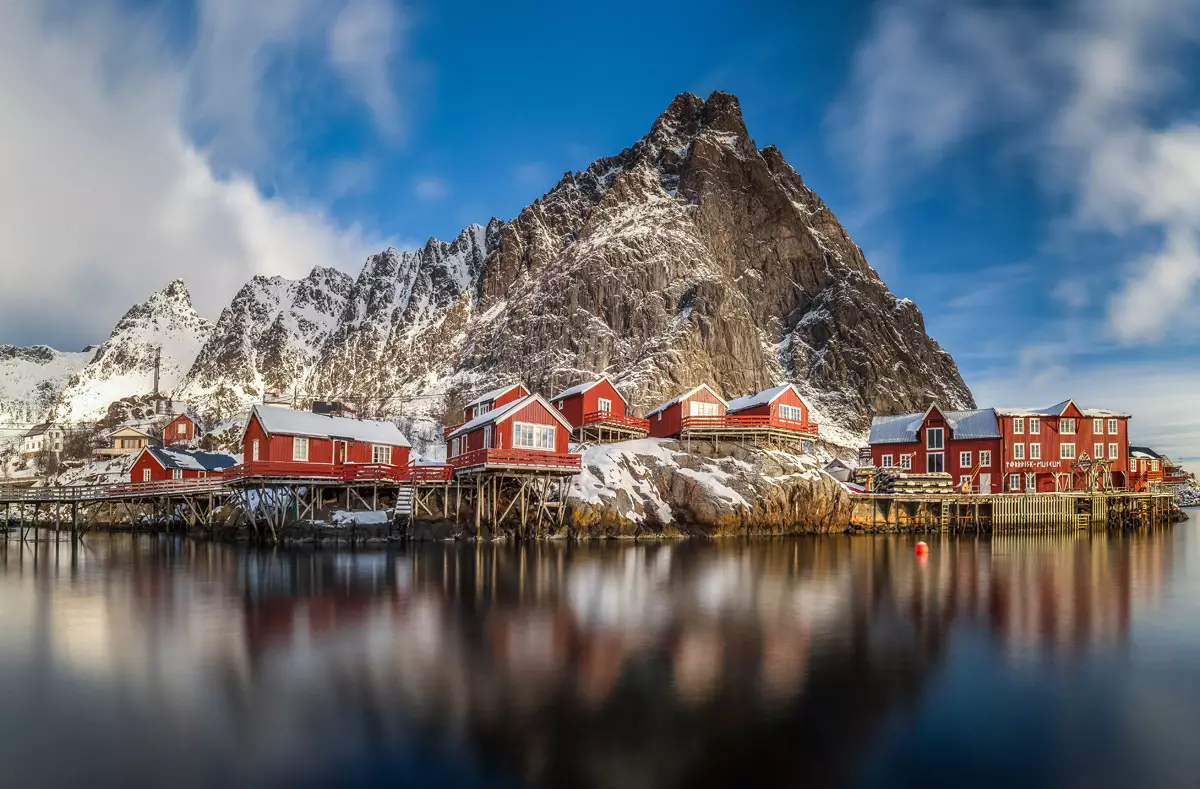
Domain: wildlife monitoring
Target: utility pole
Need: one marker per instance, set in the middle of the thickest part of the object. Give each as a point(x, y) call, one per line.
point(157, 370)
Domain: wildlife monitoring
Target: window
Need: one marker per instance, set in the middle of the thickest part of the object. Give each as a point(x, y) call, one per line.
point(1113, 454)
point(1014, 481)
point(1019, 425)
point(964, 459)
point(887, 461)
point(1019, 451)
point(176, 474)
point(605, 405)
point(300, 449)
point(701, 408)
point(1097, 451)
point(934, 438)
point(454, 446)
point(791, 413)
point(254, 449)
point(1035, 451)
point(1066, 451)
point(906, 461)
point(660, 416)
point(480, 410)
point(1154, 465)
point(1066, 425)
point(145, 475)
point(1112, 427)
point(487, 436)
point(965, 481)
point(560, 402)
point(985, 458)
point(1035, 425)
point(1097, 426)
point(935, 463)
point(381, 454)
point(1031, 482)
point(529, 436)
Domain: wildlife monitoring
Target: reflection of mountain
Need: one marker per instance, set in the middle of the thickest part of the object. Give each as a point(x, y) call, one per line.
point(768, 663)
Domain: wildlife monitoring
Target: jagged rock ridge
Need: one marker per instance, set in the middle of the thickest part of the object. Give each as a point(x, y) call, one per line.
point(31, 381)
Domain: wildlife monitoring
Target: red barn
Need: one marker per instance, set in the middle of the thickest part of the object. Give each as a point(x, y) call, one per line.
point(782, 405)
point(666, 421)
point(282, 442)
point(599, 411)
point(528, 432)
point(967, 445)
point(159, 464)
point(181, 428)
point(493, 399)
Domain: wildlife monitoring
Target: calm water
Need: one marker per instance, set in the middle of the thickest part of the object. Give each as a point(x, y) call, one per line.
point(827, 661)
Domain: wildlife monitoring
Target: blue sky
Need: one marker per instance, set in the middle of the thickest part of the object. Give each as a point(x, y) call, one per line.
point(1028, 173)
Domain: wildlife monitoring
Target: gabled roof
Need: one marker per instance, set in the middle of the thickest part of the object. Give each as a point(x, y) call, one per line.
point(1144, 452)
point(686, 395)
point(504, 412)
point(285, 421)
point(128, 430)
point(902, 429)
point(579, 389)
point(1057, 410)
point(191, 460)
point(492, 395)
point(38, 430)
point(764, 397)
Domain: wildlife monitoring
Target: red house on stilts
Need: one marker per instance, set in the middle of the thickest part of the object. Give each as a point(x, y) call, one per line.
point(160, 464)
point(671, 418)
point(525, 433)
point(597, 412)
point(281, 442)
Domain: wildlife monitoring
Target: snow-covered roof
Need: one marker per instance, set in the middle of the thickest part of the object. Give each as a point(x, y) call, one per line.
point(1144, 452)
point(581, 388)
point(762, 398)
point(1057, 410)
point(287, 421)
point(191, 460)
point(487, 397)
point(686, 395)
point(902, 429)
point(125, 431)
point(504, 412)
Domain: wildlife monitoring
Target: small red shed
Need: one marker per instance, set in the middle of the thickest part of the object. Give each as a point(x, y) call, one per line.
point(494, 399)
point(280, 441)
point(525, 432)
point(666, 421)
point(182, 428)
point(159, 464)
point(599, 409)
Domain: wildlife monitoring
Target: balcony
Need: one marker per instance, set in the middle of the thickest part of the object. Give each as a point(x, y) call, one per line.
point(295, 470)
point(499, 459)
point(617, 422)
point(744, 422)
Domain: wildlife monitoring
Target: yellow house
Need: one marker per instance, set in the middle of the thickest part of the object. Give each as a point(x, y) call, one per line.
point(125, 441)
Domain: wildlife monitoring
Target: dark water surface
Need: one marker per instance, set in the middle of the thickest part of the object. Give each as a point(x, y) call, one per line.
point(820, 661)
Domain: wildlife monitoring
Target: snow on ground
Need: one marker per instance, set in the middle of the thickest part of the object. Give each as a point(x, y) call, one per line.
point(346, 518)
point(31, 380)
point(1187, 496)
point(97, 472)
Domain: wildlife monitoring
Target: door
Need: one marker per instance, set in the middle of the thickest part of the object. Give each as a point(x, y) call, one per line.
point(339, 453)
point(985, 483)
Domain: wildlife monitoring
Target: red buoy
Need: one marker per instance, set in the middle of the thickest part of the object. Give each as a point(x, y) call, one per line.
point(922, 549)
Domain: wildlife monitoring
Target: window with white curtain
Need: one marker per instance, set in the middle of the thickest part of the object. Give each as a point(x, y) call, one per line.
point(381, 454)
point(531, 436)
point(791, 412)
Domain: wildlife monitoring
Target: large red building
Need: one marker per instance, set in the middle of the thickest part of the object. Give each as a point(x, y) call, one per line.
point(526, 432)
point(1008, 450)
point(281, 441)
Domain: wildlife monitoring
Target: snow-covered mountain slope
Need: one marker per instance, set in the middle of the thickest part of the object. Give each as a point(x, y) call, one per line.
point(266, 340)
point(31, 380)
point(124, 364)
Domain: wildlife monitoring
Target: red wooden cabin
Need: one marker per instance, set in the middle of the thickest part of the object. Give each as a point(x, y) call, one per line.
point(967, 445)
point(780, 407)
point(281, 442)
point(494, 399)
point(159, 464)
point(667, 421)
point(598, 410)
point(181, 428)
point(524, 433)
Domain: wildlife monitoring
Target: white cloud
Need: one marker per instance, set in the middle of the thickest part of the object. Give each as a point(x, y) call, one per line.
point(1083, 90)
point(361, 45)
point(104, 196)
point(431, 188)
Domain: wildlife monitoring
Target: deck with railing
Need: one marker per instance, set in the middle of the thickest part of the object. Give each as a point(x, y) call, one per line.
point(733, 422)
point(499, 459)
point(621, 422)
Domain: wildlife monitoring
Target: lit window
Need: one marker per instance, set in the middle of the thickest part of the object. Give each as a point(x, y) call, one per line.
point(935, 463)
point(605, 405)
point(887, 461)
point(906, 461)
point(1035, 451)
point(1113, 454)
point(1066, 451)
point(985, 458)
point(1035, 425)
point(1067, 426)
point(530, 436)
point(964, 459)
point(1019, 425)
point(1019, 451)
point(300, 449)
point(934, 438)
point(381, 454)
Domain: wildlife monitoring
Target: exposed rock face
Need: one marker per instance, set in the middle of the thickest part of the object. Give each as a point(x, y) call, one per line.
point(31, 381)
point(124, 364)
point(267, 340)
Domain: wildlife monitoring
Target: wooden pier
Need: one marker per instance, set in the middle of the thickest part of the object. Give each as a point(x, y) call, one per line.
point(1002, 511)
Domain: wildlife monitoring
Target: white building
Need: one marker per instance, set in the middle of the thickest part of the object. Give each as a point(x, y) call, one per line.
point(46, 437)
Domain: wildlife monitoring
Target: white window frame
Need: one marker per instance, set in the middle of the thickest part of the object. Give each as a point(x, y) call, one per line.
point(534, 437)
point(604, 404)
point(560, 405)
point(906, 462)
point(145, 475)
point(1031, 481)
point(299, 442)
point(1066, 425)
point(454, 447)
point(1018, 451)
point(1114, 427)
point(1097, 451)
point(254, 450)
point(176, 474)
point(376, 449)
point(985, 458)
point(488, 434)
point(886, 461)
point(1014, 482)
point(1019, 425)
point(964, 459)
point(792, 413)
point(1035, 425)
point(660, 416)
point(1035, 450)
point(1114, 451)
point(702, 408)
point(1097, 425)
point(1063, 453)
point(929, 462)
point(964, 479)
point(940, 432)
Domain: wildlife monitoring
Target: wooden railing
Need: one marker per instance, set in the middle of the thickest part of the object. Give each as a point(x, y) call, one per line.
point(609, 418)
point(746, 421)
point(350, 472)
point(443, 473)
point(515, 457)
